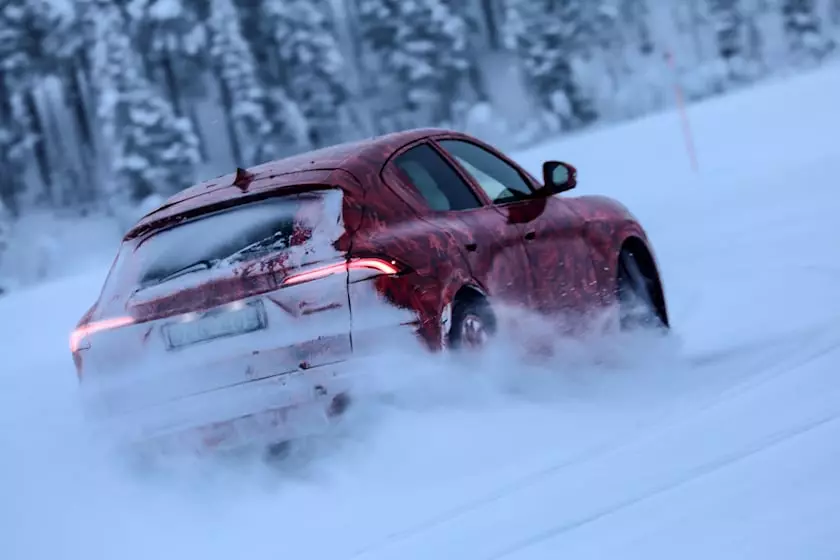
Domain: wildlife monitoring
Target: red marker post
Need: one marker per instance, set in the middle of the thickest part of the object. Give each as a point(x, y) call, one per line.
point(686, 126)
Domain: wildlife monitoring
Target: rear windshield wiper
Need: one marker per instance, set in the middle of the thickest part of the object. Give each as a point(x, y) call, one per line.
point(276, 242)
point(198, 265)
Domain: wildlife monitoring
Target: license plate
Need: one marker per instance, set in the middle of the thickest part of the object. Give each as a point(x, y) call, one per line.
point(216, 324)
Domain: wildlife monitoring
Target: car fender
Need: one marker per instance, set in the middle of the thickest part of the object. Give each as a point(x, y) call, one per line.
point(626, 225)
point(608, 224)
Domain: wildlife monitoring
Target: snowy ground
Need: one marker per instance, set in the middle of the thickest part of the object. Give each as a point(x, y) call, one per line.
point(725, 447)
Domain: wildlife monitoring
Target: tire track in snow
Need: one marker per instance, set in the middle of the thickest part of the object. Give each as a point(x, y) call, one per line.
point(765, 444)
point(646, 431)
point(796, 360)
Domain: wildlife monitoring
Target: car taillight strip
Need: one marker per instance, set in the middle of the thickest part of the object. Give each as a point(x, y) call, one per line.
point(380, 265)
point(78, 335)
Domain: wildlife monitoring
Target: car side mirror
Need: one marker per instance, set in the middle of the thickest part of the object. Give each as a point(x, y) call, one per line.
point(558, 177)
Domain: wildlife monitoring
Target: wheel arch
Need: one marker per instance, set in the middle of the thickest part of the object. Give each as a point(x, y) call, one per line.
point(646, 260)
point(469, 290)
point(460, 292)
point(468, 297)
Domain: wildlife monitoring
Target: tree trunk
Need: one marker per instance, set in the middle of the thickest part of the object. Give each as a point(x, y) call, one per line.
point(171, 84)
point(491, 22)
point(227, 106)
point(10, 172)
point(76, 99)
point(184, 110)
point(39, 151)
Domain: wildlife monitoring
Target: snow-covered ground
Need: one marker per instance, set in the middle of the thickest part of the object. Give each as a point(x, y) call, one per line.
point(724, 446)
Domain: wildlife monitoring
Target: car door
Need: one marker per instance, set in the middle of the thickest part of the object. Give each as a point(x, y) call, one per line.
point(490, 245)
point(560, 263)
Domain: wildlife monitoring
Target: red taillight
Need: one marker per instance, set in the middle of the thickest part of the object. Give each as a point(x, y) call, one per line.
point(379, 265)
point(77, 336)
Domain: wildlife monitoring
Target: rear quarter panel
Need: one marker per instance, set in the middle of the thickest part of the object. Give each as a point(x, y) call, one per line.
point(390, 227)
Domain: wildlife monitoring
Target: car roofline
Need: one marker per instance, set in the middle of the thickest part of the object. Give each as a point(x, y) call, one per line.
point(146, 227)
point(346, 157)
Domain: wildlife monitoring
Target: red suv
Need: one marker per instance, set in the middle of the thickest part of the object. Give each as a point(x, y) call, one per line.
point(228, 309)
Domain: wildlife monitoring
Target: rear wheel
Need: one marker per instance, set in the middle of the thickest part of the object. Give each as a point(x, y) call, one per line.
point(637, 291)
point(473, 323)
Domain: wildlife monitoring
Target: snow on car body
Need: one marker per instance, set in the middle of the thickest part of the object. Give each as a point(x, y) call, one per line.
point(229, 310)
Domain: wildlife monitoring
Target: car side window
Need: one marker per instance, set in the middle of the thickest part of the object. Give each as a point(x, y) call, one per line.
point(500, 180)
point(436, 181)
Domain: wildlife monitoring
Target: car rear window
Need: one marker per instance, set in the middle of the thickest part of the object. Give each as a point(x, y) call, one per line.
point(236, 235)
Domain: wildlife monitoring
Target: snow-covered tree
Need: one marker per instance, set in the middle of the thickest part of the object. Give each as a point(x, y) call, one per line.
point(244, 97)
point(34, 42)
point(12, 153)
point(804, 30)
point(756, 40)
point(610, 36)
point(307, 52)
point(5, 228)
point(171, 36)
point(34, 37)
point(100, 98)
point(634, 16)
point(601, 27)
point(548, 34)
point(13, 149)
point(151, 150)
point(730, 29)
point(422, 45)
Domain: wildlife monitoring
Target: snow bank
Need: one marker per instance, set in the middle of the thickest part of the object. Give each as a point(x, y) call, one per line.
point(44, 246)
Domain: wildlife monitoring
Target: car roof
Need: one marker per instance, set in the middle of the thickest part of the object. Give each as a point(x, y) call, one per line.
point(316, 167)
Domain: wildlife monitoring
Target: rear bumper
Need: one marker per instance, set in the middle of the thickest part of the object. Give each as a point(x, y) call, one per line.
point(242, 398)
point(265, 411)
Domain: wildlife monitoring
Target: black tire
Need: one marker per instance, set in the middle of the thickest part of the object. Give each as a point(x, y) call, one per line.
point(473, 323)
point(278, 451)
point(638, 295)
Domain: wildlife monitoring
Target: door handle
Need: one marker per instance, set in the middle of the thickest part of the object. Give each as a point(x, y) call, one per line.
point(531, 235)
point(471, 247)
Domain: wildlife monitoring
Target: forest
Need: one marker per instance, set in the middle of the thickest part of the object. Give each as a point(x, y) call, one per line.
point(107, 106)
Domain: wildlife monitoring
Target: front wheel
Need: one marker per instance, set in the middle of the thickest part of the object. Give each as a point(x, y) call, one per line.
point(637, 292)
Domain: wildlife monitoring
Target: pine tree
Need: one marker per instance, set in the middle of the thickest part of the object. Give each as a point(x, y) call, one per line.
point(755, 41)
point(834, 20)
point(152, 151)
point(5, 229)
point(804, 30)
point(610, 36)
point(171, 38)
point(13, 148)
point(244, 97)
point(422, 46)
point(312, 64)
point(599, 20)
point(547, 35)
point(635, 16)
point(730, 30)
point(5, 225)
point(34, 42)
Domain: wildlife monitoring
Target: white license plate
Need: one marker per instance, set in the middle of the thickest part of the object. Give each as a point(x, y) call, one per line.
point(216, 324)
